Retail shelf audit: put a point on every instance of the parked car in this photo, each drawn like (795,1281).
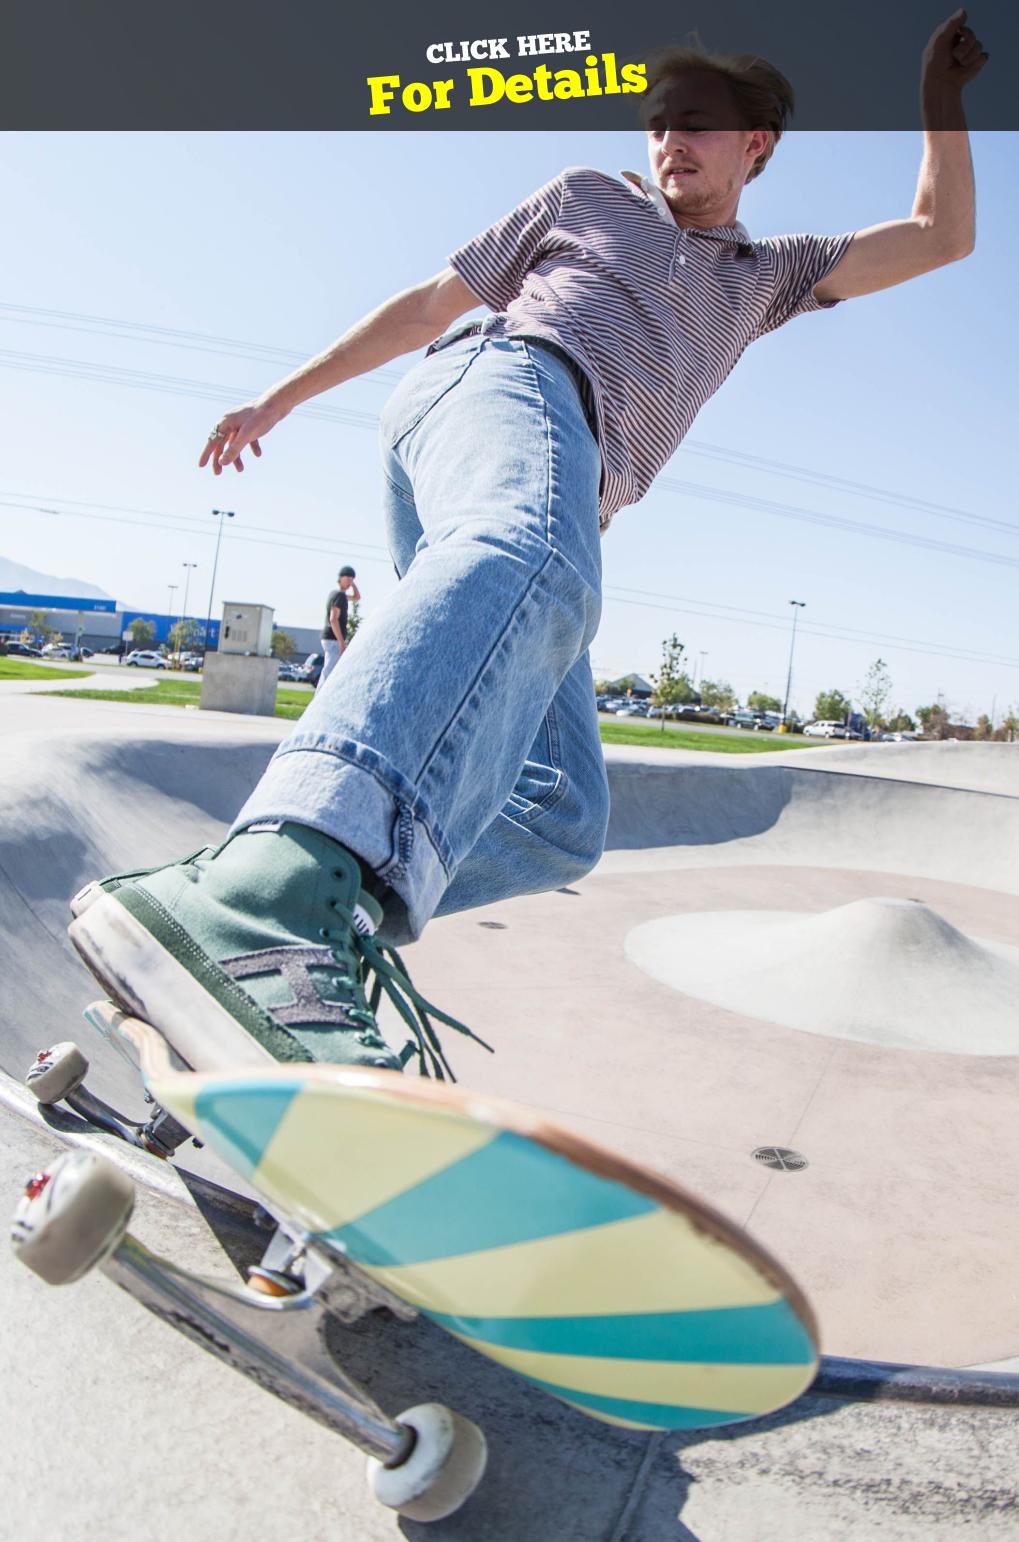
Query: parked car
(825,728)
(898,738)
(752,720)
(289,671)
(57,651)
(311,670)
(145,658)
(23,650)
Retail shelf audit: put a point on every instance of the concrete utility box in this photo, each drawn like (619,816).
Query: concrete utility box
(246,629)
(233,682)
(241,676)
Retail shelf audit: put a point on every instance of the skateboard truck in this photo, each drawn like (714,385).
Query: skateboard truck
(57,1075)
(73,1218)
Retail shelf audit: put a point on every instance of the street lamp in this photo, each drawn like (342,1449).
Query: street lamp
(187,566)
(222,515)
(700,667)
(800,604)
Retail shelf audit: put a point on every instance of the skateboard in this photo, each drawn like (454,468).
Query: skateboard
(588,1275)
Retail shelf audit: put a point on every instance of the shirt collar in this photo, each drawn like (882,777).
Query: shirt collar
(727,235)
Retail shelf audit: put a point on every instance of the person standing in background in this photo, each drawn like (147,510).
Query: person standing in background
(334,632)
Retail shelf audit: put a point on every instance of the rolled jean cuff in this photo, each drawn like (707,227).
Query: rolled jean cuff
(351,793)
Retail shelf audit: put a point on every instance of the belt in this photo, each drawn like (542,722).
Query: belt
(470,329)
(474,328)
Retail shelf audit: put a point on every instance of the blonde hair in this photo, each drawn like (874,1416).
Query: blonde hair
(763,96)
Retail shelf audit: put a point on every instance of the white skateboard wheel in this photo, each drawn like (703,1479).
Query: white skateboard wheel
(56,1072)
(441,1472)
(71,1216)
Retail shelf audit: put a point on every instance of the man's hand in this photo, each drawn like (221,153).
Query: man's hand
(953,57)
(407,321)
(234,432)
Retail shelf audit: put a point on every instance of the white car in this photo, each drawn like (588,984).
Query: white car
(144,658)
(825,729)
(56,651)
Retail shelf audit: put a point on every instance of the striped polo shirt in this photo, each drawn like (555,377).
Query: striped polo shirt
(655,314)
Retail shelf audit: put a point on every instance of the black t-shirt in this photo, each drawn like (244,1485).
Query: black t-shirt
(339,599)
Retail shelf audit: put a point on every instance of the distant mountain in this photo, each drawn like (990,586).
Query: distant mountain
(14,576)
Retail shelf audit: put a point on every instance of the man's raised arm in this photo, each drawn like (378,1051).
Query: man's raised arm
(942,226)
(408,321)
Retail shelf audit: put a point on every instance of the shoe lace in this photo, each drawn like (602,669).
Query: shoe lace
(363,957)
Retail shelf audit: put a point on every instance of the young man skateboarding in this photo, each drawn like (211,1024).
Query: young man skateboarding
(334,632)
(616,308)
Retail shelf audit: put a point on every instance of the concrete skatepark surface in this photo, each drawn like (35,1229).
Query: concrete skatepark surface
(900,1228)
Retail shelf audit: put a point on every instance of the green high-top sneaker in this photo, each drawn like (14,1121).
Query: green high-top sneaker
(256,953)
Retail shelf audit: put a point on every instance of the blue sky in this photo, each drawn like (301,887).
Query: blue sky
(279,241)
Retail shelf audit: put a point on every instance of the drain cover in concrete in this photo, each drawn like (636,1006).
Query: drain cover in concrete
(881,971)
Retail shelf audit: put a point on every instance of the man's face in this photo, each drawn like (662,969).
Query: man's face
(345,581)
(699,150)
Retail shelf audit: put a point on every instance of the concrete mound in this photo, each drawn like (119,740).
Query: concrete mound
(880,971)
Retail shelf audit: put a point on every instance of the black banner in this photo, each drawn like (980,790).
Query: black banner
(563,64)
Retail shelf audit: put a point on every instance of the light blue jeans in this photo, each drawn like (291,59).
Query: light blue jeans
(457,750)
(331,656)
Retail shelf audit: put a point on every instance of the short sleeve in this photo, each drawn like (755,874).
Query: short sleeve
(798,263)
(495,263)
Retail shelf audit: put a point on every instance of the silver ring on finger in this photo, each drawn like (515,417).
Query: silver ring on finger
(217,433)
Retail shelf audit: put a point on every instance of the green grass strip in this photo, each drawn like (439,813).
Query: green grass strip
(650,736)
(179,691)
(23,669)
(291,703)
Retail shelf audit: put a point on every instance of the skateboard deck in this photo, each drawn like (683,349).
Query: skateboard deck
(604,1284)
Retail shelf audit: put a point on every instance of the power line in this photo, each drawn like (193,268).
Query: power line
(204,342)
(166,337)
(827,636)
(115,375)
(617,594)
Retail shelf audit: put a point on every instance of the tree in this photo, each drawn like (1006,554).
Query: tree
(283,645)
(1008,728)
(353,619)
(983,728)
(934,719)
(875,691)
(759,701)
(831,707)
(183,635)
(141,632)
(718,694)
(38,626)
(901,723)
(603,687)
(671,685)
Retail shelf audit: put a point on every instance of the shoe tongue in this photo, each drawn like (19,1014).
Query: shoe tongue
(367,914)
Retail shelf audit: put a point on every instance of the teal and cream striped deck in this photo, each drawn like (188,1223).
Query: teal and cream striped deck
(636,1304)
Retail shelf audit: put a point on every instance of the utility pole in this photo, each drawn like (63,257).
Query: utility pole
(796,604)
(222,515)
(187,566)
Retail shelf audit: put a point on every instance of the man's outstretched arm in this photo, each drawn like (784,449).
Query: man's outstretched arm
(942,226)
(408,321)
